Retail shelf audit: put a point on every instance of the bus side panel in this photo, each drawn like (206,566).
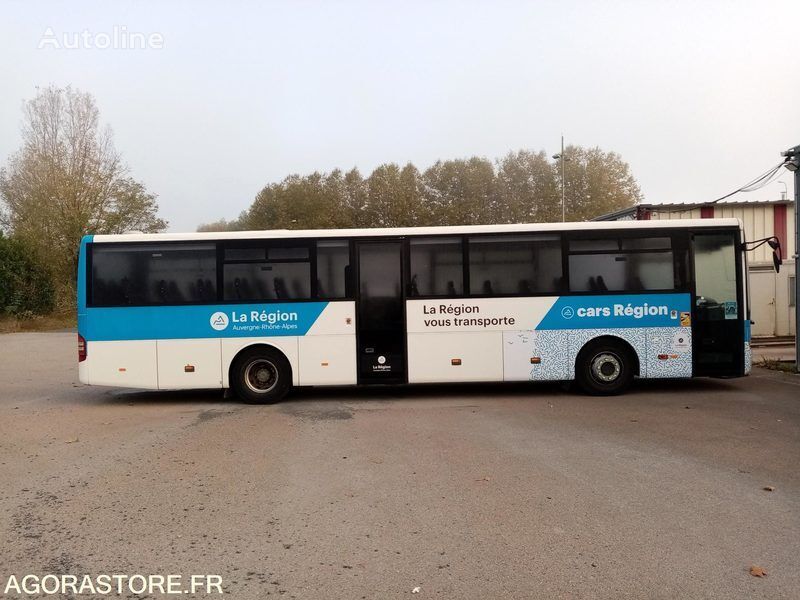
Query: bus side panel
(327,352)
(122,363)
(451,357)
(187,364)
(555,329)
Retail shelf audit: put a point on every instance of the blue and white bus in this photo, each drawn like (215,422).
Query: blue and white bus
(262,312)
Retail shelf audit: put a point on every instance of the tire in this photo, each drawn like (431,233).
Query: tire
(604,369)
(261,376)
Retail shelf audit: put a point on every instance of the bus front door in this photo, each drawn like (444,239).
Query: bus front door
(717,314)
(380,312)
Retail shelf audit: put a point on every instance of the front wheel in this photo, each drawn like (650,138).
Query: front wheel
(261,376)
(604,369)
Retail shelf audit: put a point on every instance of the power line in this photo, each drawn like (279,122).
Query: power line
(756,184)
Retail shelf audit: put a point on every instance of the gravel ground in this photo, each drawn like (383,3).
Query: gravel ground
(461,491)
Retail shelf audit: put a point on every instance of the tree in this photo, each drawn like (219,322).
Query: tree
(528,189)
(461,192)
(522,187)
(221,225)
(68,180)
(597,182)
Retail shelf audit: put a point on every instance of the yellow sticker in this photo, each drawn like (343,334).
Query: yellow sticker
(686,319)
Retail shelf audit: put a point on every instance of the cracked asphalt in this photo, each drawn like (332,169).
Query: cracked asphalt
(482,491)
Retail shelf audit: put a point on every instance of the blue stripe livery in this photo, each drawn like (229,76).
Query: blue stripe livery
(625,310)
(200,321)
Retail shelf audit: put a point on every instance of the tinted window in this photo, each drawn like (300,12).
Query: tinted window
(520,264)
(267,281)
(630,264)
(287,253)
(437,267)
(285,273)
(715,275)
(333,269)
(125,275)
(245,253)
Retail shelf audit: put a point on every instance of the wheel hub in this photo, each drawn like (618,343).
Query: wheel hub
(261,376)
(606,367)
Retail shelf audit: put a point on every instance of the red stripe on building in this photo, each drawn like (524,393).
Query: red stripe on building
(779,225)
(706,212)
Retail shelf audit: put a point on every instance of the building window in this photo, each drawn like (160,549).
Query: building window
(515,265)
(437,267)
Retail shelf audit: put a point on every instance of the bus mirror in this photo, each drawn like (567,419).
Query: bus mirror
(776,260)
(774,244)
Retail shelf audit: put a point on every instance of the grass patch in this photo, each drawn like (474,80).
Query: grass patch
(785,366)
(11,324)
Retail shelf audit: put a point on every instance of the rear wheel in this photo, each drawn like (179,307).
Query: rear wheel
(604,369)
(261,376)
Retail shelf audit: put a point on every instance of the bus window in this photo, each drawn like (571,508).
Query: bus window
(515,265)
(284,275)
(715,275)
(631,264)
(153,274)
(333,268)
(437,267)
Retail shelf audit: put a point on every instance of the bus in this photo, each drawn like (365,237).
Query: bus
(262,312)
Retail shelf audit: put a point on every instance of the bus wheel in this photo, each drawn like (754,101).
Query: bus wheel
(604,369)
(261,376)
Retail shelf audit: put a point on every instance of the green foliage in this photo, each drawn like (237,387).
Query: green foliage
(521,187)
(68,180)
(26,288)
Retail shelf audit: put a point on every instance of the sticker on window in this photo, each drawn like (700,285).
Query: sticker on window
(730,310)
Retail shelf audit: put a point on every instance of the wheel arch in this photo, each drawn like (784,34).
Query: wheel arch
(256,345)
(613,340)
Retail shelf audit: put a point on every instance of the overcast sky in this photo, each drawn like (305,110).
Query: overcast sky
(698,97)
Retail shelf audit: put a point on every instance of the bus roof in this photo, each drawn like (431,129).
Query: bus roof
(409,231)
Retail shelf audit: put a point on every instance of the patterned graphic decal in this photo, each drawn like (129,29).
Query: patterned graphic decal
(208,321)
(549,354)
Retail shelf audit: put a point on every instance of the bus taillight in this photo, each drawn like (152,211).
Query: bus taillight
(81,348)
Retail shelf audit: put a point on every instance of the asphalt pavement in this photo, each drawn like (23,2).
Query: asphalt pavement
(481,491)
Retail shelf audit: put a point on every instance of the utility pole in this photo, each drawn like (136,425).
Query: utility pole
(563,196)
(792,163)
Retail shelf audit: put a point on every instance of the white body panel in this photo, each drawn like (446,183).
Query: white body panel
(186,364)
(122,364)
(406,231)
(328,360)
(431,355)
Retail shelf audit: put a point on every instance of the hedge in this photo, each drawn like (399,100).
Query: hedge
(26,288)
